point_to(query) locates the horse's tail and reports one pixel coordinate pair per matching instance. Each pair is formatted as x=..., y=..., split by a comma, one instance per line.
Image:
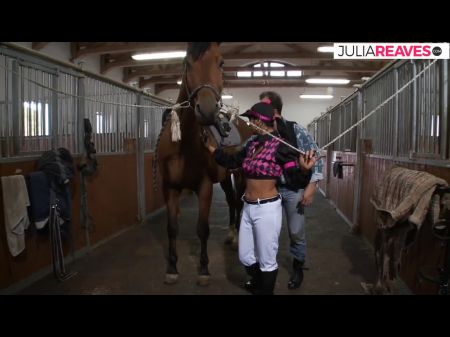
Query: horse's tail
x=155, y=157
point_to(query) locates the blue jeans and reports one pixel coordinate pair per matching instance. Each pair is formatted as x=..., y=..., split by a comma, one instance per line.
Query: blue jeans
x=295, y=222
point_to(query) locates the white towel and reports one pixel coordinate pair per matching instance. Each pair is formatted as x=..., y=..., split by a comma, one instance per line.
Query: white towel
x=15, y=202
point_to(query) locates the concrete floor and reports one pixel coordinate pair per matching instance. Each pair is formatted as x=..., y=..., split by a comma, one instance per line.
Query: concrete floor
x=134, y=262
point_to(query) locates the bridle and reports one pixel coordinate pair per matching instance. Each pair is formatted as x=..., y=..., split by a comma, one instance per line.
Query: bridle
x=192, y=95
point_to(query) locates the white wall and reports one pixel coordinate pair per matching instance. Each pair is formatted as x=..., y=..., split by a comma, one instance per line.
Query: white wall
x=300, y=110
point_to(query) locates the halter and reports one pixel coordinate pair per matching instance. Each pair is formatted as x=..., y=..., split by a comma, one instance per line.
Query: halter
x=193, y=94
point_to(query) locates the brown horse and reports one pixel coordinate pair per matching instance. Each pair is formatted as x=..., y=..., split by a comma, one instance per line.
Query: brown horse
x=186, y=163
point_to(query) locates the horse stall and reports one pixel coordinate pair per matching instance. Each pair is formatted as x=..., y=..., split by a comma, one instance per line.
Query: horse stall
x=43, y=103
x=409, y=128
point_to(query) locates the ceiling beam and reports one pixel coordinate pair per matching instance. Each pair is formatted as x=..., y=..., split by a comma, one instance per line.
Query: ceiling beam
x=121, y=61
x=87, y=48
x=296, y=47
x=131, y=73
x=123, y=47
x=143, y=83
x=126, y=60
x=146, y=82
x=283, y=84
x=239, y=49
x=39, y=45
x=309, y=68
x=276, y=55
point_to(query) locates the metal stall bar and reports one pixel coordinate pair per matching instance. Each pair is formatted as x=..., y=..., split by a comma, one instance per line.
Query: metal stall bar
x=444, y=109
x=359, y=168
x=54, y=111
x=396, y=113
x=15, y=97
x=426, y=112
x=4, y=114
x=140, y=160
x=415, y=130
x=81, y=113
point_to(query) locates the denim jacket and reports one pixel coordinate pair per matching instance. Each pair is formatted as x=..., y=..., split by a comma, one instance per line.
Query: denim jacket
x=305, y=143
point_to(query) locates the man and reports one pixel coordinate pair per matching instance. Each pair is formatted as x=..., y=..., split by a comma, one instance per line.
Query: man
x=293, y=199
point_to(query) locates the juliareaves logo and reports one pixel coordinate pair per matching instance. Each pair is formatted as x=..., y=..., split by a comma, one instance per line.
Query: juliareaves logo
x=391, y=50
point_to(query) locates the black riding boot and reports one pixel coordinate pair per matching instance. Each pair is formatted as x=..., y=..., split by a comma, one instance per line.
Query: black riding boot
x=255, y=273
x=268, y=279
x=297, y=274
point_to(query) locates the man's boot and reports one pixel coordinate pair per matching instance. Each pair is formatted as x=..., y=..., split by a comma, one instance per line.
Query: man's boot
x=297, y=274
x=268, y=279
x=255, y=273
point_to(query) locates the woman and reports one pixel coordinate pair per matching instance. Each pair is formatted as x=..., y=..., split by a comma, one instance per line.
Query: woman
x=262, y=160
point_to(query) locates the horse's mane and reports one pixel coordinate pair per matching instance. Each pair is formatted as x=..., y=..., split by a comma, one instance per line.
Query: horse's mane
x=165, y=121
x=197, y=49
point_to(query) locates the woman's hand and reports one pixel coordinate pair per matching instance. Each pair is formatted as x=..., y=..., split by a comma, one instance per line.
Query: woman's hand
x=308, y=160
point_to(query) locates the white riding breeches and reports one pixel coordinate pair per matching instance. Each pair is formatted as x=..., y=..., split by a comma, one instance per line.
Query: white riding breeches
x=259, y=232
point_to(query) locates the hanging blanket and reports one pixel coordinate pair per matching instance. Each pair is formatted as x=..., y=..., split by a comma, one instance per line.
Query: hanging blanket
x=401, y=200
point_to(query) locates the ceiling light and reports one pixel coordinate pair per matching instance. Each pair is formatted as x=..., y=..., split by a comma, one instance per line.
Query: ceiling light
x=365, y=78
x=326, y=49
x=327, y=81
x=179, y=82
x=159, y=56
x=317, y=96
x=227, y=96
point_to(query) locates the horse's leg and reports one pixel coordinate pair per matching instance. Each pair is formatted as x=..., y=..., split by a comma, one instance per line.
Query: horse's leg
x=227, y=187
x=239, y=182
x=240, y=190
x=204, y=193
x=172, y=202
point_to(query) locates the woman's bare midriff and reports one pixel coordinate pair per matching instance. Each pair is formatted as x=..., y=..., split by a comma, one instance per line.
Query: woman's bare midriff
x=260, y=189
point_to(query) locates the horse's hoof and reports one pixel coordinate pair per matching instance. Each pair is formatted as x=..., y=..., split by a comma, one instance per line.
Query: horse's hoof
x=203, y=280
x=171, y=279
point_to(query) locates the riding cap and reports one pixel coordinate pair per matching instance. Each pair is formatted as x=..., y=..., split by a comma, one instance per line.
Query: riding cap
x=262, y=111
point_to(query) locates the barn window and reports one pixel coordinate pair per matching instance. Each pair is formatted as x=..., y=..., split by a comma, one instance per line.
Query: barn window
x=99, y=122
x=276, y=72
x=36, y=119
x=145, y=128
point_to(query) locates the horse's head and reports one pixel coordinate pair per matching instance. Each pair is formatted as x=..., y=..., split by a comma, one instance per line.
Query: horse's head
x=203, y=79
